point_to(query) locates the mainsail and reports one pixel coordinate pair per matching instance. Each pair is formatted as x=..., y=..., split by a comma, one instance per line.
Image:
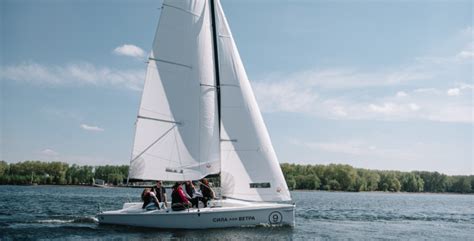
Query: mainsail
x=177, y=129
x=178, y=136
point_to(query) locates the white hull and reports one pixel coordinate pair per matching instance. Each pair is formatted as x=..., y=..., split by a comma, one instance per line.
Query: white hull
x=221, y=214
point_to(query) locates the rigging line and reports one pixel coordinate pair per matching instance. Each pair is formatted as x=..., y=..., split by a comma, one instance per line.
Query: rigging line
x=170, y=62
x=152, y=144
x=156, y=112
x=158, y=157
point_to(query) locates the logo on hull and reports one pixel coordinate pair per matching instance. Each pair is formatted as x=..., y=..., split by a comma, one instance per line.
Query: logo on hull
x=275, y=217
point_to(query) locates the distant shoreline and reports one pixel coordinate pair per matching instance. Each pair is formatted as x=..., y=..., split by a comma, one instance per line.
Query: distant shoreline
x=294, y=190
x=332, y=177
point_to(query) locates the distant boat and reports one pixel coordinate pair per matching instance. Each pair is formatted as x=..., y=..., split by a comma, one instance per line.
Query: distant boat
x=198, y=116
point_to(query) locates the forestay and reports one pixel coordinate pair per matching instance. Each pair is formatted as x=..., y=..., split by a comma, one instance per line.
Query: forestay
x=177, y=128
x=250, y=169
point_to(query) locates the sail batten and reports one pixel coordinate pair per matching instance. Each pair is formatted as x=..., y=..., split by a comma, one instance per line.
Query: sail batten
x=170, y=62
x=161, y=120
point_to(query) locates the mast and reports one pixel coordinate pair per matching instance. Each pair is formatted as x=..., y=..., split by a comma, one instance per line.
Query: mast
x=216, y=63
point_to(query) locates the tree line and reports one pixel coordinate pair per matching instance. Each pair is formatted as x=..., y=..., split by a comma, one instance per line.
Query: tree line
x=338, y=177
x=59, y=173
x=333, y=177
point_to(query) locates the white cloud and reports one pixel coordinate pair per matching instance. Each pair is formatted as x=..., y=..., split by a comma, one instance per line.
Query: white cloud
x=345, y=78
x=413, y=106
x=386, y=108
x=401, y=94
x=453, y=92
x=465, y=54
x=91, y=128
x=468, y=51
x=285, y=96
x=432, y=91
x=49, y=152
x=129, y=50
x=79, y=74
x=350, y=93
x=466, y=86
x=356, y=148
x=419, y=104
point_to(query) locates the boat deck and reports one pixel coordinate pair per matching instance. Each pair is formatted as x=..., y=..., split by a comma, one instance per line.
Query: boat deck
x=215, y=206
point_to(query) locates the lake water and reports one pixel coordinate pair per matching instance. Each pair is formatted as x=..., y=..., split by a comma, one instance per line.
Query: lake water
x=68, y=212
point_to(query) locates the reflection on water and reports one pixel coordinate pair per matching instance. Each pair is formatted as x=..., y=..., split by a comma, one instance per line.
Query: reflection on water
x=66, y=212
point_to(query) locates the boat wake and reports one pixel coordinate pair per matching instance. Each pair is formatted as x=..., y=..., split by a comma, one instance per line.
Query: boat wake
x=87, y=219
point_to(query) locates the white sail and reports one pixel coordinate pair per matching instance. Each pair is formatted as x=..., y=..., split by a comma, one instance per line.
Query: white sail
x=177, y=136
x=249, y=166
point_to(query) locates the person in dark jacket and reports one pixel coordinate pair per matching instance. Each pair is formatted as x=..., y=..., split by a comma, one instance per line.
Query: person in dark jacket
x=178, y=198
x=207, y=192
x=160, y=192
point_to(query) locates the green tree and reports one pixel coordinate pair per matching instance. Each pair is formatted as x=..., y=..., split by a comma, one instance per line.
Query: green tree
x=461, y=184
x=310, y=182
x=389, y=182
x=3, y=168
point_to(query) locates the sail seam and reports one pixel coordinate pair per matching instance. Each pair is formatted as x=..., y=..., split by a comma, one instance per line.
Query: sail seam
x=184, y=10
x=170, y=62
x=179, y=156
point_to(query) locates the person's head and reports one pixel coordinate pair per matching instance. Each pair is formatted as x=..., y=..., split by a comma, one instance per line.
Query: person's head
x=205, y=181
x=188, y=183
x=158, y=183
x=145, y=192
x=176, y=185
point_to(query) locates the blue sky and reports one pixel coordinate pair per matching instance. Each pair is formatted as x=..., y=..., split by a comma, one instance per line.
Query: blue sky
x=374, y=84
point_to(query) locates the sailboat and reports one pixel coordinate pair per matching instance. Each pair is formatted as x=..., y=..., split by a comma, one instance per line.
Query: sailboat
x=198, y=117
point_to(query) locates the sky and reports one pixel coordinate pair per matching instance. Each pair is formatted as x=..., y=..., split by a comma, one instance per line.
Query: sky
x=371, y=83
